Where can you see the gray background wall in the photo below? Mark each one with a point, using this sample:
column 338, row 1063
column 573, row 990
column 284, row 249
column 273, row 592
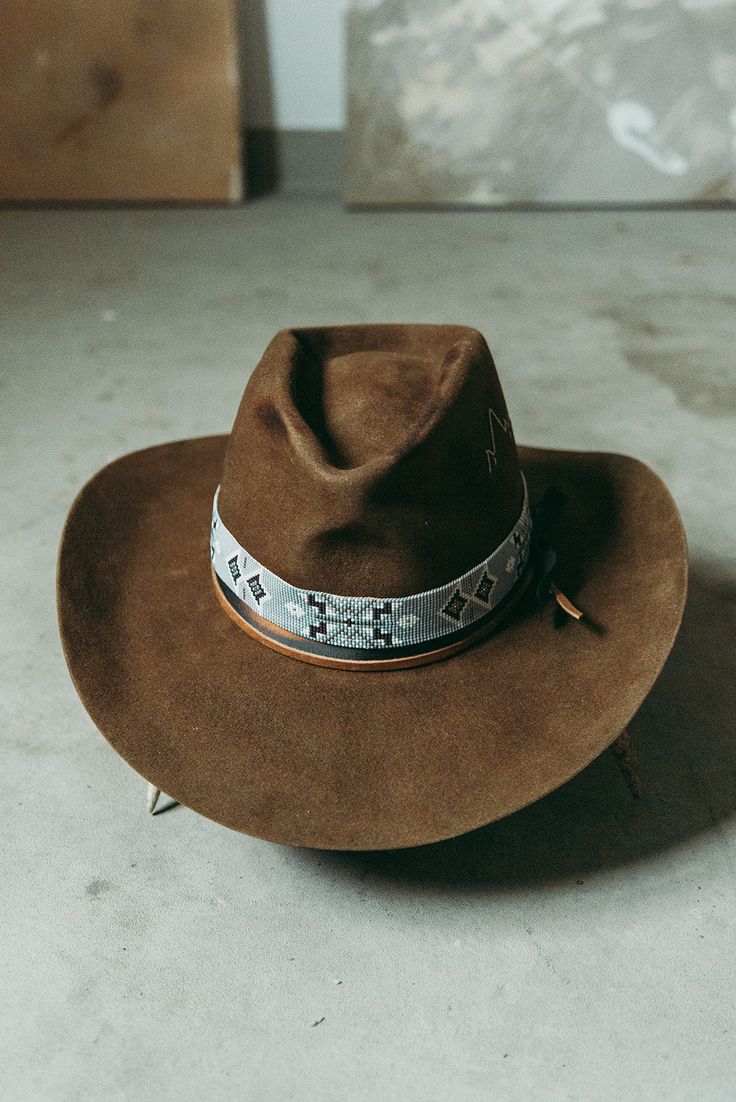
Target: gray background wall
column 292, row 94
column 292, row 61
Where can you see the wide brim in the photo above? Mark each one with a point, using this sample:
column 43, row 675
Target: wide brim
column 307, row 756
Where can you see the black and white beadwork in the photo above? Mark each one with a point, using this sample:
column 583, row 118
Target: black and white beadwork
column 372, row 623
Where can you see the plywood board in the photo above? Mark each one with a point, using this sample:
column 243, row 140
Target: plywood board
column 119, row 100
column 487, row 102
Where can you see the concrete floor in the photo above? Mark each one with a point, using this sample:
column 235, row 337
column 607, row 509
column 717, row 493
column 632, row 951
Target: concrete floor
column 583, row 949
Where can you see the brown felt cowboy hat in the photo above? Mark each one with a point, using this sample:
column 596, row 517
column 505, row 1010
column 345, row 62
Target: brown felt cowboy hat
column 331, row 628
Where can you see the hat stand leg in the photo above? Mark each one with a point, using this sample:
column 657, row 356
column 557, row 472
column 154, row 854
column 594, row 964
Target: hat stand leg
column 152, row 798
column 626, row 759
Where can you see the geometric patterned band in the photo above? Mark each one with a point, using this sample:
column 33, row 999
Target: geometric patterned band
column 368, row 628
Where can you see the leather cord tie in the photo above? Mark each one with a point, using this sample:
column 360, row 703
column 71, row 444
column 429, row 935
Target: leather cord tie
column 545, row 515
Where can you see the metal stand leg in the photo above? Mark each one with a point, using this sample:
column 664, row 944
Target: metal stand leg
column 153, row 795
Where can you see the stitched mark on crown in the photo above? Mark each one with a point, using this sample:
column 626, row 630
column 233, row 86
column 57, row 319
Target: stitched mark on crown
column 496, row 423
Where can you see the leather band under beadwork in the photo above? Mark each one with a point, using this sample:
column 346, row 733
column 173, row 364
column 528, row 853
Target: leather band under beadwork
column 330, row 628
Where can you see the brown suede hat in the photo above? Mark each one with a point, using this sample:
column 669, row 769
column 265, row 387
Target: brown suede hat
column 365, row 656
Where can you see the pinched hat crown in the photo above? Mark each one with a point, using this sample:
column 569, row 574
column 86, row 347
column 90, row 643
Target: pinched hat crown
column 372, row 459
column 371, row 508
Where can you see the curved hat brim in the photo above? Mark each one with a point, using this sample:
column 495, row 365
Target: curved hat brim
column 307, row 756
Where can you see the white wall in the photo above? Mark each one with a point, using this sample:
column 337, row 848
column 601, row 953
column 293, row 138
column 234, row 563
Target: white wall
column 292, row 63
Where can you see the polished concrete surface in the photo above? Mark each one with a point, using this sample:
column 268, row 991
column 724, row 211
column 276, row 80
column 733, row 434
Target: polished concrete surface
column 584, row 948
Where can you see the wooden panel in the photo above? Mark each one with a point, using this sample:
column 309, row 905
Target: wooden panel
column 119, row 100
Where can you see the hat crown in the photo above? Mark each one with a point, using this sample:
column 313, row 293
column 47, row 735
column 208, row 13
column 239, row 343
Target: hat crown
column 372, row 460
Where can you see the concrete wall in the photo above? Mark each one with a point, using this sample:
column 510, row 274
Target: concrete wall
column 292, row 55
